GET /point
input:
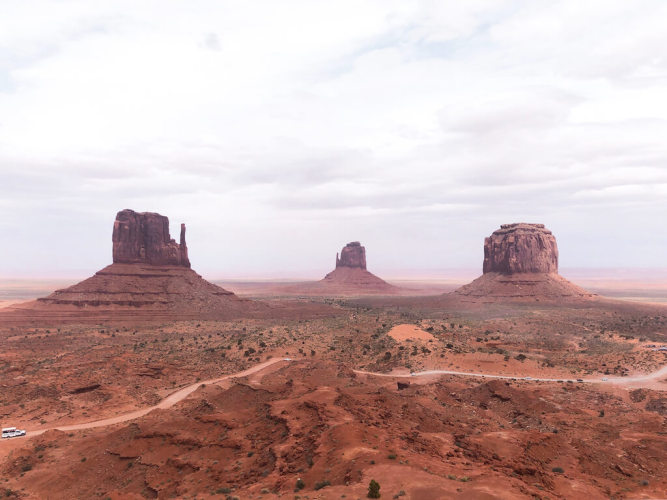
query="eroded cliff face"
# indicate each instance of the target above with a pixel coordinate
(352, 255)
(144, 238)
(521, 248)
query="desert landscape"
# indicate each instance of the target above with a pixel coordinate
(146, 381)
(310, 250)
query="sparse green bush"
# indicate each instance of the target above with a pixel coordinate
(559, 470)
(373, 489)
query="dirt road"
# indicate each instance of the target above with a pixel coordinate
(603, 380)
(167, 402)
(181, 394)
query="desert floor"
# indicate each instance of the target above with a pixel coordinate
(316, 407)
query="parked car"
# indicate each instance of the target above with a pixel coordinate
(12, 432)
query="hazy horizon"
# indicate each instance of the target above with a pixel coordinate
(279, 131)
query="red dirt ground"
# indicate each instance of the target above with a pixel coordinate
(315, 419)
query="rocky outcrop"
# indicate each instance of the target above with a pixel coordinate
(143, 238)
(150, 280)
(352, 255)
(521, 248)
(349, 278)
(521, 264)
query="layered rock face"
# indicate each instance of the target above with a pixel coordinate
(521, 263)
(352, 255)
(150, 280)
(521, 248)
(143, 238)
(349, 278)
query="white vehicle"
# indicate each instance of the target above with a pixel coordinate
(604, 379)
(12, 432)
(528, 378)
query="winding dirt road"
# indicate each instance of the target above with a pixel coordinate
(183, 393)
(167, 402)
(603, 380)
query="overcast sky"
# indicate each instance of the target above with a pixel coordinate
(280, 130)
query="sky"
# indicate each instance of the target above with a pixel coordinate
(279, 131)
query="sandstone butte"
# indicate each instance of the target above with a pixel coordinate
(521, 263)
(150, 280)
(143, 238)
(351, 275)
(349, 278)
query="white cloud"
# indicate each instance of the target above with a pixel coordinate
(303, 124)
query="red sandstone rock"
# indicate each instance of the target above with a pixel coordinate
(149, 280)
(352, 255)
(521, 263)
(521, 248)
(350, 277)
(144, 238)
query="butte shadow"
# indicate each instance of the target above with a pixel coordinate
(149, 280)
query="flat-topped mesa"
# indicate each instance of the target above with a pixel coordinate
(144, 238)
(352, 255)
(521, 248)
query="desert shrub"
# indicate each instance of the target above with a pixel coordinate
(391, 456)
(559, 470)
(321, 484)
(373, 489)
(300, 484)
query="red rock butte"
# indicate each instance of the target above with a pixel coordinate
(521, 263)
(521, 248)
(349, 278)
(144, 238)
(352, 255)
(150, 280)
